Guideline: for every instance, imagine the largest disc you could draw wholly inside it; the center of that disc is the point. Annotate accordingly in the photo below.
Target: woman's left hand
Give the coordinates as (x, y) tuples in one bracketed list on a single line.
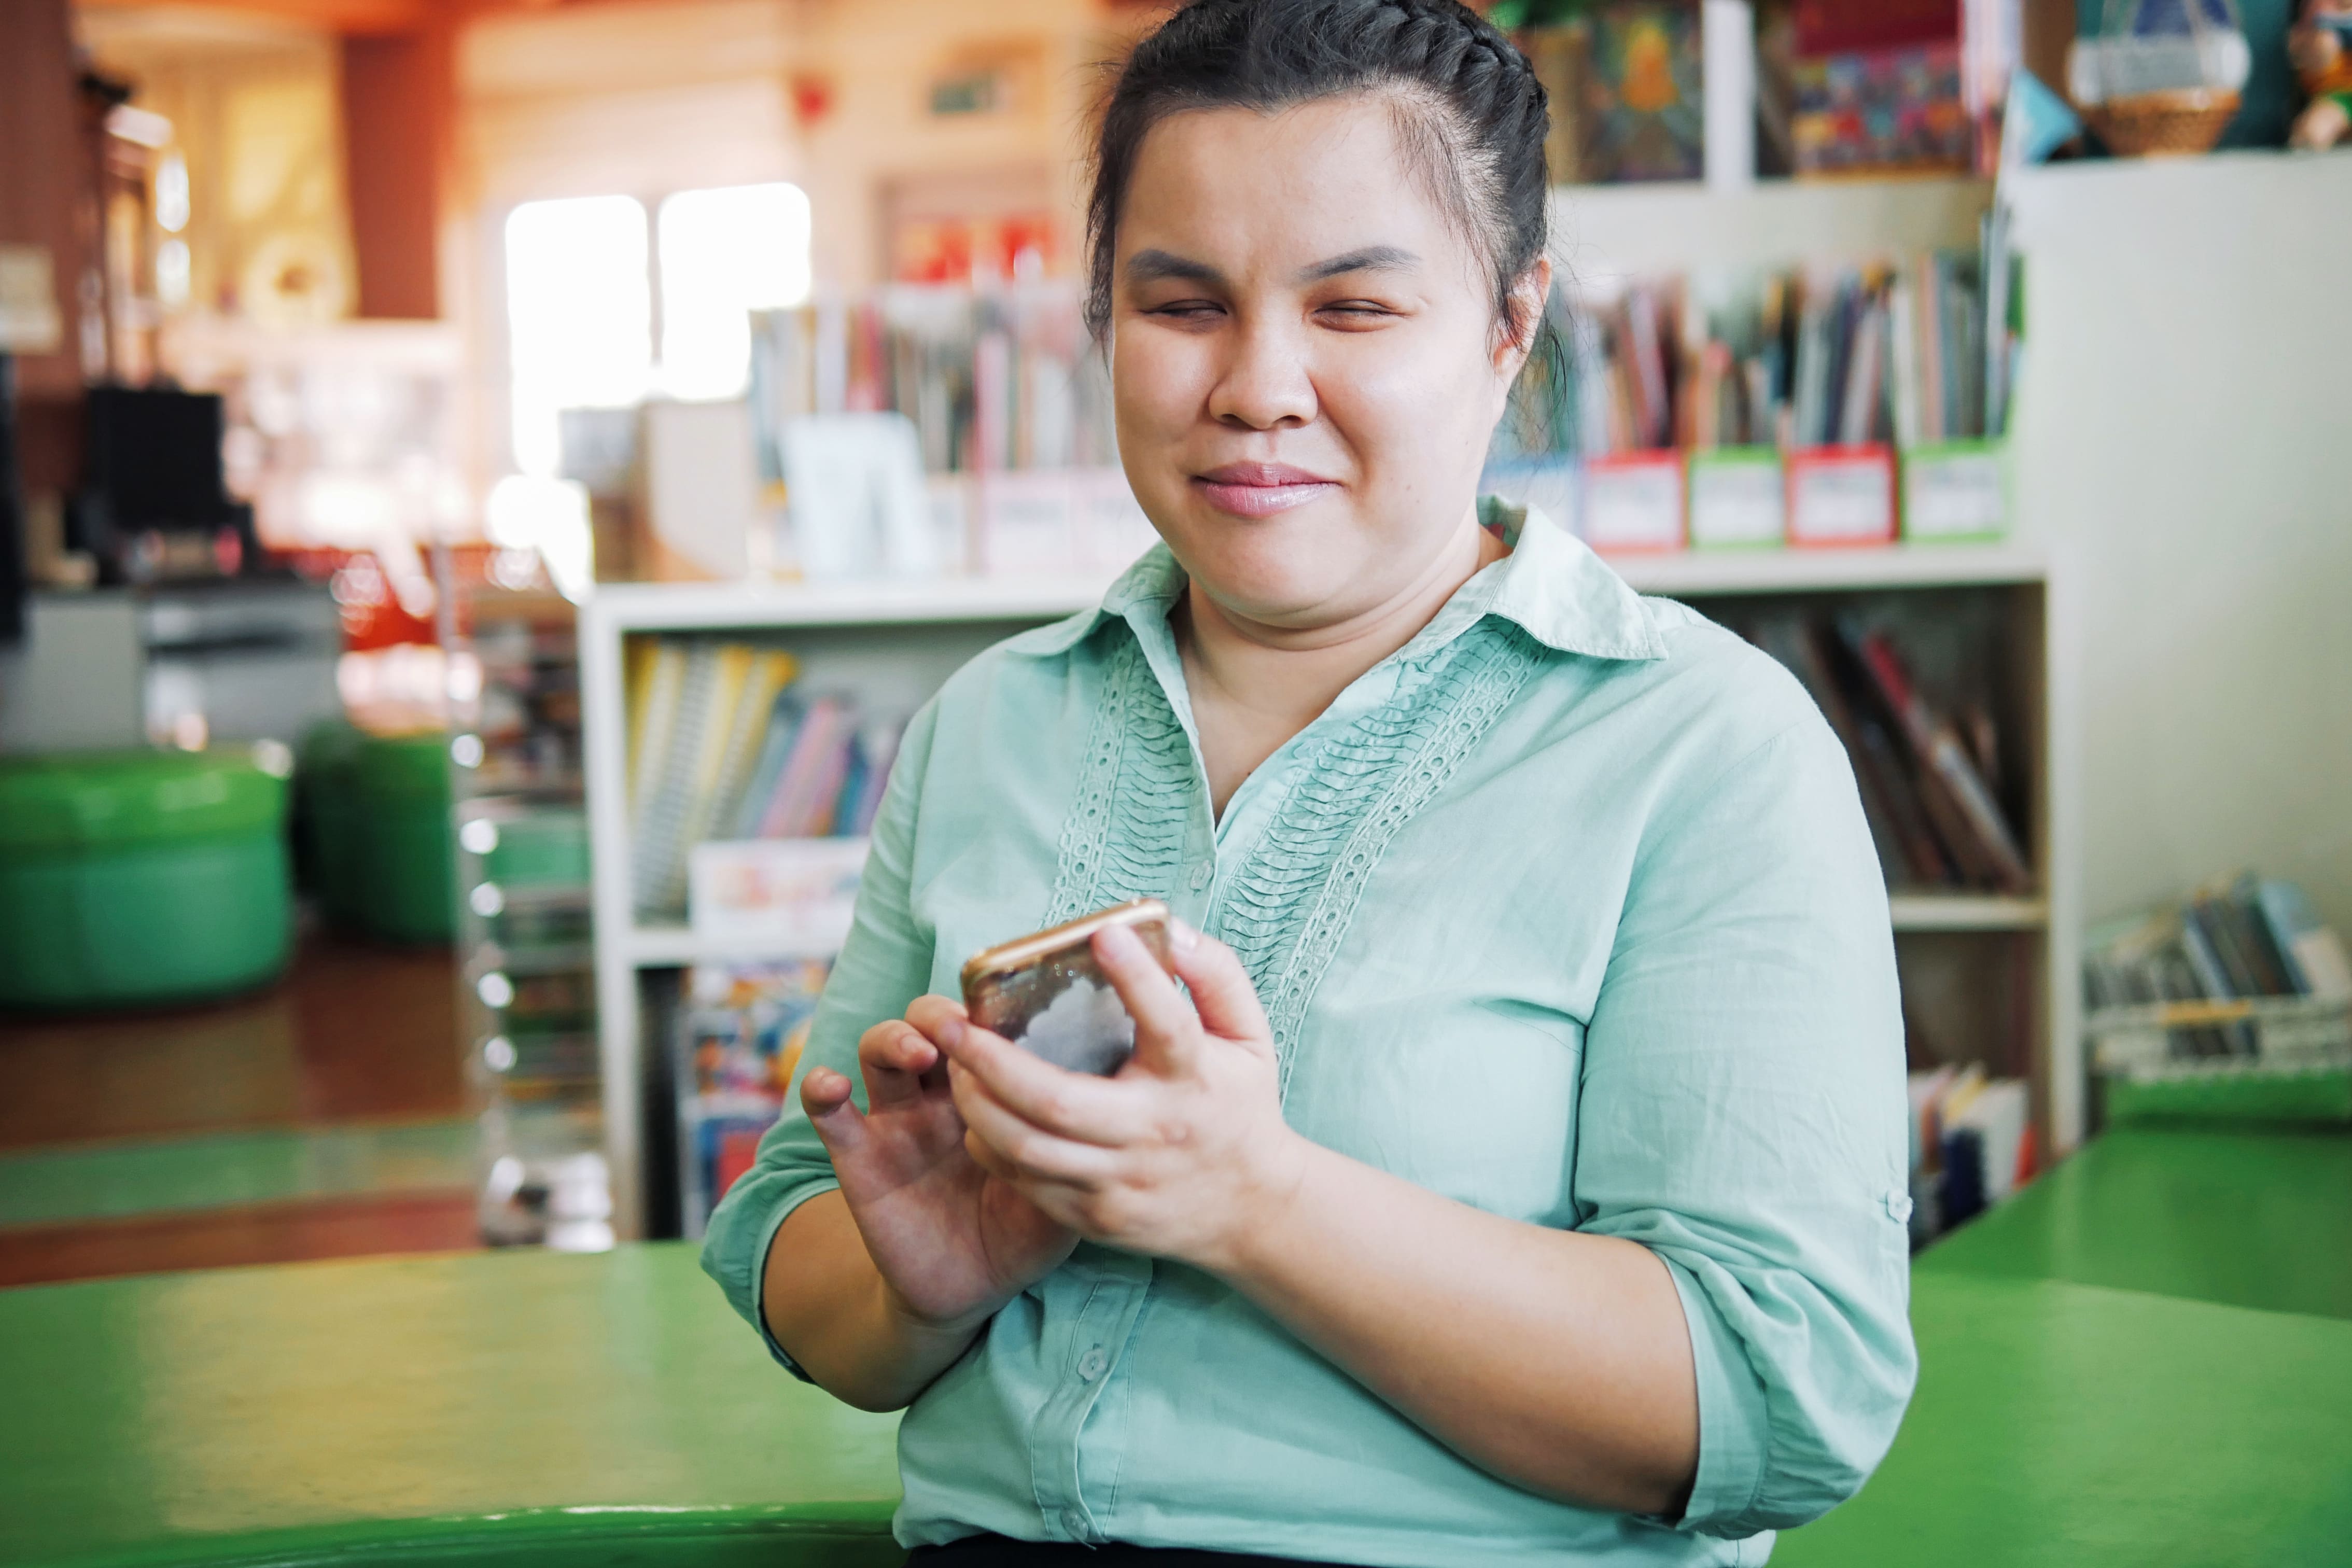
[(1178, 1153)]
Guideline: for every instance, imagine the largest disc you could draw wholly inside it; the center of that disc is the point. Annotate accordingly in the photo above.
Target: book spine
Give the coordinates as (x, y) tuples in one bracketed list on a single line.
[(1954, 794)]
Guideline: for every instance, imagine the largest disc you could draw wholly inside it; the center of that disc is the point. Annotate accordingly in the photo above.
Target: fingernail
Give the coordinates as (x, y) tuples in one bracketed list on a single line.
[(1182, 937)]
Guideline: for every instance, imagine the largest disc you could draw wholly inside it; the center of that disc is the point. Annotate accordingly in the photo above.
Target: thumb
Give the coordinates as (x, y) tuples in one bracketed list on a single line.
[(1221, 988), (826, 1096)]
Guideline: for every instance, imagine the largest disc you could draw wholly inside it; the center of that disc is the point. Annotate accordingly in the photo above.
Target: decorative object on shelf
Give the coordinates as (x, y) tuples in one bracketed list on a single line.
[(775, 895), (2161, 77), (2320, 48), (1883, 86), (1624, 78)]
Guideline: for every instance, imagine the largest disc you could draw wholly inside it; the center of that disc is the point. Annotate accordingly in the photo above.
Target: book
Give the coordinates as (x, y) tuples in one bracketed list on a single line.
[(657, 847), (1955, 795), (2278, 970), (1972, 1144), (748, 681), (740, 1040), (880, 745), (657, 676), (811, 778), (2314, 955), (2246, 939), (775, 745)]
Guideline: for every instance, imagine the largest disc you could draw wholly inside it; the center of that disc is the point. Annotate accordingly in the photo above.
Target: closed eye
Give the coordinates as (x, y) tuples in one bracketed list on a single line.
[(1356, 314), (1186, 310)]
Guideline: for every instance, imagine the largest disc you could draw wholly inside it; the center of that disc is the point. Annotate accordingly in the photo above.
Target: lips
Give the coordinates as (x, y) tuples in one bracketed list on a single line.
[(1260, 489)]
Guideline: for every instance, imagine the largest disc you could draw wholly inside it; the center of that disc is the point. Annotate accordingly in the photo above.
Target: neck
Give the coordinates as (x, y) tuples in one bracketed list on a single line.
[(1283, 676)]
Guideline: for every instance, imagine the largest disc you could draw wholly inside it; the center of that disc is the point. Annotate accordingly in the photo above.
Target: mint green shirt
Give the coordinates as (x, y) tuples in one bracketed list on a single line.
[(1566, 910)]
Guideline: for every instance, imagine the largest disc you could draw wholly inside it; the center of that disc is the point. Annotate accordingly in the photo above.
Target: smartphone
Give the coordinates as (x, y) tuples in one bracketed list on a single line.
[(1045, 993)]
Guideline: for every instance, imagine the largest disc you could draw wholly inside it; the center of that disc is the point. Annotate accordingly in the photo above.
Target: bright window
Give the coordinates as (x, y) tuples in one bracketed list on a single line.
[(580, 305), (725, 253), (580, 300)]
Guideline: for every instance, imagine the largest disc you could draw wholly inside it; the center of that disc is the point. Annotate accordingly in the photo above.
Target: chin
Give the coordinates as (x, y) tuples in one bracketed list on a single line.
[(1274, 569)]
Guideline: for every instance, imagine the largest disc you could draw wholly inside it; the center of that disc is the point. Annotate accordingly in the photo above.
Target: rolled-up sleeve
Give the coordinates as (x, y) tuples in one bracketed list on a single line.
[(885, 964), (1743, 1116)]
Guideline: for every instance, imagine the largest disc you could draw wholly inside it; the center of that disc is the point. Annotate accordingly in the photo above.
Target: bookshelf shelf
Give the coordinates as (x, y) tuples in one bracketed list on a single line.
[(705, 607), (1810, 570), (675, 946), (893, 642), (1967, 911)]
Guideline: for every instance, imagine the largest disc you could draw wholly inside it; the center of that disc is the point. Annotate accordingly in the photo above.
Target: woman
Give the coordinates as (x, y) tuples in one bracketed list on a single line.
[(1518, 1176)]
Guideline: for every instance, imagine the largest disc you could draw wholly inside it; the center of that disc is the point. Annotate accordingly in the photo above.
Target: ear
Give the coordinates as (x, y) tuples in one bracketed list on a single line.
[(1527, 298)]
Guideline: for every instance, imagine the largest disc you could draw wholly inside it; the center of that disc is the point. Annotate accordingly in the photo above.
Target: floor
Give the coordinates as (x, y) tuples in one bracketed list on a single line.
[(322, 1118)]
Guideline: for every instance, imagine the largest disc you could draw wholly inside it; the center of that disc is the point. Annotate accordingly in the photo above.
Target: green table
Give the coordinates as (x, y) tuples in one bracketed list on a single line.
[(525, 1408), (2140, 1358), (2248, 1219), (2074, 1426), (490, 1408)]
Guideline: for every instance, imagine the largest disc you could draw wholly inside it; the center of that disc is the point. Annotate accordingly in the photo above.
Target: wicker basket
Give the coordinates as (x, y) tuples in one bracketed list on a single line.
[(2164, 125), (2281, 1059)]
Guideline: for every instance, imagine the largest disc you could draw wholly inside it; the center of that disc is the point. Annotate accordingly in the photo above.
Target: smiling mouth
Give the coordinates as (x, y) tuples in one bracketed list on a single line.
[(1260, 489)]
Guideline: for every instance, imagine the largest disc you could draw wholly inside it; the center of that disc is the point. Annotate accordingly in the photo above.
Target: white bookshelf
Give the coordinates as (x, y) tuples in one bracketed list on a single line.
[(893, 643)]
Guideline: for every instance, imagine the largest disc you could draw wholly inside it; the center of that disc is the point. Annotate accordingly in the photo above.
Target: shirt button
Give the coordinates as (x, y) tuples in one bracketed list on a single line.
[(1074, 1523), (1092, 1364), (1201, 873)]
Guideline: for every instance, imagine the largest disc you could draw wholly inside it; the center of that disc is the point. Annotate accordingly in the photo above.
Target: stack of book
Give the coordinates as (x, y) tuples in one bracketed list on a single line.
[(721, 747), (1972, 1144), (995, 380), (1832, 404), (739, 1038), (1931, 780), (1834, 354), (2241, 940)]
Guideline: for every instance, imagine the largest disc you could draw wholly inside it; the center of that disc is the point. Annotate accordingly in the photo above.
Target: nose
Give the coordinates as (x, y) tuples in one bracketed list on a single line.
[(1265, 383)]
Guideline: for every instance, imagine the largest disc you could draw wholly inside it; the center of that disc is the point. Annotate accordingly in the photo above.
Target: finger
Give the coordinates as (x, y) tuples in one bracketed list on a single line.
[(1222, 995), (1067, 1104), (1166, 1028), (826, 1096), (940, 1019), (893, 1059), (1028, 1150)]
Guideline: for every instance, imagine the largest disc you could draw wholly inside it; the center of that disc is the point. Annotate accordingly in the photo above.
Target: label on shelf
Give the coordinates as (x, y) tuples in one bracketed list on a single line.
[(1112, 527), (1029, 522), (1841, 495), (1634, 500), (1956, 491), (1738, 497), (780, 895)]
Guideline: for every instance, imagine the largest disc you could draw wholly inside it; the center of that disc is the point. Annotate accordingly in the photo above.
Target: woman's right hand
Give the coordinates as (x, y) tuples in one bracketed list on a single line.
[(951, 1242)]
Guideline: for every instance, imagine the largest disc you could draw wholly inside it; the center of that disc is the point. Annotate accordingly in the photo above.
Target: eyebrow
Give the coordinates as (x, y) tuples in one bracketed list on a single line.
[(1149, 266), (1370, 258)]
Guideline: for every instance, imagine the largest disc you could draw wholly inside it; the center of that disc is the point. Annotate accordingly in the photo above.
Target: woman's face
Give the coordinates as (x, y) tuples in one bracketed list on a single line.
[(1305, 358)]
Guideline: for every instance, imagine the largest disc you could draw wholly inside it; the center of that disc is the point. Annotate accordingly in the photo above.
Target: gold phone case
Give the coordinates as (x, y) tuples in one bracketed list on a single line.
[(1045, 993)]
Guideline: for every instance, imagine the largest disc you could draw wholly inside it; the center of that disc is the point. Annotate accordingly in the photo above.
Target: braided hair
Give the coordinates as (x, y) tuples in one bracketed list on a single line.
[(1468, 106)]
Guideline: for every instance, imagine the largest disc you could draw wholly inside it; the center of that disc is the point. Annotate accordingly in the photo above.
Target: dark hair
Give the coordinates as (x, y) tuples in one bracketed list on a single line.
[(1467, 102)]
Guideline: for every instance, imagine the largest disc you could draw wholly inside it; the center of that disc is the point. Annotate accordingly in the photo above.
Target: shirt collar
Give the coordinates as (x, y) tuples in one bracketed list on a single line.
[(1552, 586)]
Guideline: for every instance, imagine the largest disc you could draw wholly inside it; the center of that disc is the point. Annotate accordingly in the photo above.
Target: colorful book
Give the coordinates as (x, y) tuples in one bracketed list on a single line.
[(1955, 793), (2314, 956), (658, 849), (744, 713), (775, 746), (809, 780)]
